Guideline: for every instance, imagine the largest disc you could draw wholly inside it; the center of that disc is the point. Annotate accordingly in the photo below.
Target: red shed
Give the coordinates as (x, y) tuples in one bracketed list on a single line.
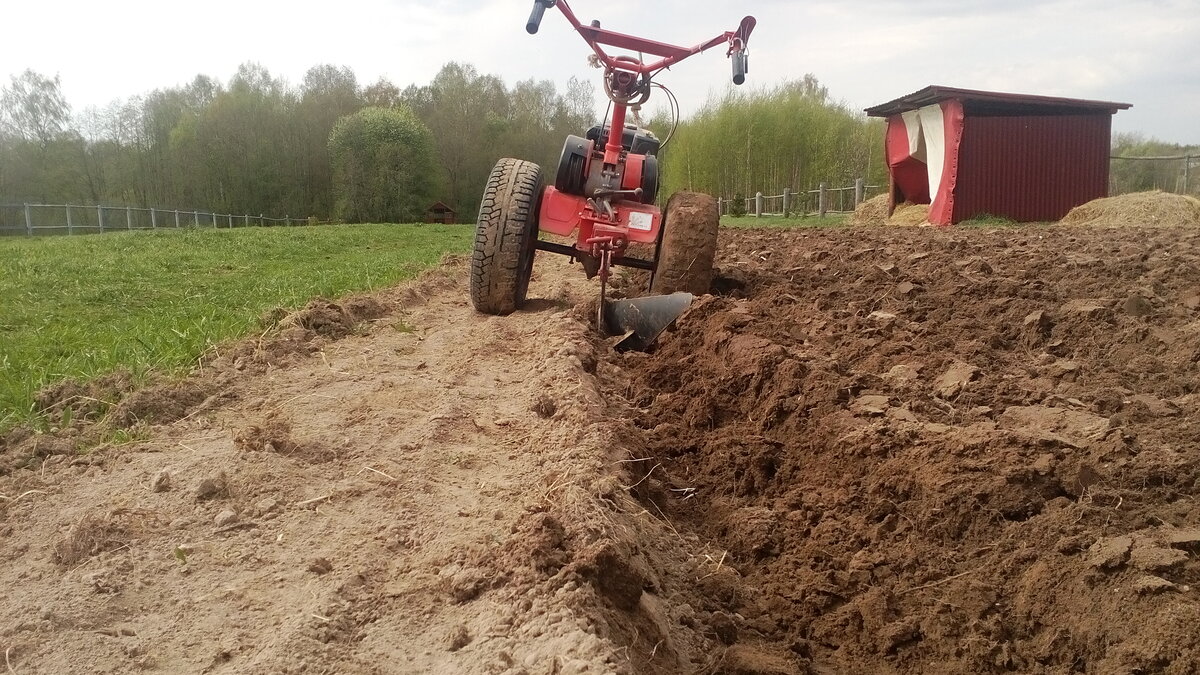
[(967, 153)]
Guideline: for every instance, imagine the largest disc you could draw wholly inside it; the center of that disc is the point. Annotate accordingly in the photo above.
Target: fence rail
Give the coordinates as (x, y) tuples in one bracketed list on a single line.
[(820, 201), (52, 219)]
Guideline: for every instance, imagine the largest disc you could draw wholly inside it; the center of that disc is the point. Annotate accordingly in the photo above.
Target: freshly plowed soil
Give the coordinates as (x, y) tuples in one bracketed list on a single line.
[(943, 451), (888, 450)]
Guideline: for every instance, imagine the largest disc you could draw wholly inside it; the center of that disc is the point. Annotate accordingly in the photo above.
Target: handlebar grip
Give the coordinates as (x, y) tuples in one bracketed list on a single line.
[(535, 17), (740, 66)]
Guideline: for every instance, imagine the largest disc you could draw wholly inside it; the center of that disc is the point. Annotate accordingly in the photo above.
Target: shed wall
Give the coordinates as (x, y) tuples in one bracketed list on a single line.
[(1031, 168)]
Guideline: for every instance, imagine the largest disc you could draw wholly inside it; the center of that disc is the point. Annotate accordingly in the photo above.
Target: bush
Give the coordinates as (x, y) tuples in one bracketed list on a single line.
[(383, 166), (737, 208)]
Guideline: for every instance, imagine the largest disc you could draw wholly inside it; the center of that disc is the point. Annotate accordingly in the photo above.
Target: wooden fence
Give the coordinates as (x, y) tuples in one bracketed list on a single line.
[(54, 219), (820, 201)]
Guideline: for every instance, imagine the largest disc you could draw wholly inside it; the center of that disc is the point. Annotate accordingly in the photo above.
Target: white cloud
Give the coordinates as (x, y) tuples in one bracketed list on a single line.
[(867, 52)]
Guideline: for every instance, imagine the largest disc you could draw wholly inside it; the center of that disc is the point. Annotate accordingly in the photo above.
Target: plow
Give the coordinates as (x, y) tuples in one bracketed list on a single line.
[(604, 195)]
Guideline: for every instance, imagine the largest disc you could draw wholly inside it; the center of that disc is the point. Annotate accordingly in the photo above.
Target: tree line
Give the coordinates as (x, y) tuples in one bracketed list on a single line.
[(331, 147), (792, 135), (259, 145)]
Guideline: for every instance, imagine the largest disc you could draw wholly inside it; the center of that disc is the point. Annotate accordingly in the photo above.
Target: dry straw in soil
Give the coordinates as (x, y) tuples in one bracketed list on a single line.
[(94, 534), (1138, 209), (873, 213)]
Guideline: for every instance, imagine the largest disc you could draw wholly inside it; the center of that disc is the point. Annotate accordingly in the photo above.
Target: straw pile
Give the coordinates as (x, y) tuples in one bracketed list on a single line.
[(908, 215), (1139, 209), (873, 213)]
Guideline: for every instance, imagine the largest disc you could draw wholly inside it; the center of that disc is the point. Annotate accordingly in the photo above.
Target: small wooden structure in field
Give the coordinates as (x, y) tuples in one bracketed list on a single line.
[(440, 213)]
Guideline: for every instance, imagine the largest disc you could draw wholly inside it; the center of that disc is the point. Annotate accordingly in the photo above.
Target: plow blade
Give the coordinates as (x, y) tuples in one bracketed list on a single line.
[(641, 320)]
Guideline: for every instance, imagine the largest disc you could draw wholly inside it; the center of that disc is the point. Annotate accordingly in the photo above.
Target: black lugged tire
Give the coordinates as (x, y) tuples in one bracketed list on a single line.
[(687, 246), (505, 234)]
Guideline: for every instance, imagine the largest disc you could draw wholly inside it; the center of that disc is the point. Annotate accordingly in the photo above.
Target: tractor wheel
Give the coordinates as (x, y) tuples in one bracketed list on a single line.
[(502, 261), (687, 245)]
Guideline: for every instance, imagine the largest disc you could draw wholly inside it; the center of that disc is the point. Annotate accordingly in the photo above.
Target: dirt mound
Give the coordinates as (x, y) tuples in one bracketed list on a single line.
[(937, 451), (334, 320), (72, 399), (166, 402), (1139, 209), (871, 213)]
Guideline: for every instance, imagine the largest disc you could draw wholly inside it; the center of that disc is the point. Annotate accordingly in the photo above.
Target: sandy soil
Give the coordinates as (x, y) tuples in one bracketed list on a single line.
[(876, 450)]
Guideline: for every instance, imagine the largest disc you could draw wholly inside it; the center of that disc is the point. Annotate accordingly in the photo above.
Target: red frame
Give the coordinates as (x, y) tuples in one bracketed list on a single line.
[(670, 53), (561, 214)]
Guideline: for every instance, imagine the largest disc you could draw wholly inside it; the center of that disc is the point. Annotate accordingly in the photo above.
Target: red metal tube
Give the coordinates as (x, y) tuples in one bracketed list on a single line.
[(616, 131)]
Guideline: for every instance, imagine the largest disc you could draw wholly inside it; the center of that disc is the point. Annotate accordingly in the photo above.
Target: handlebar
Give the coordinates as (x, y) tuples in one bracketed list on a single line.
[(741, 65), (535, 17), (737, 49), (668, 54)]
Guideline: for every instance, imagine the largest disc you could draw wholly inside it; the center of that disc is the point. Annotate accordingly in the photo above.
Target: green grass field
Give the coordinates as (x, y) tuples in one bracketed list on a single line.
[(155, 301)]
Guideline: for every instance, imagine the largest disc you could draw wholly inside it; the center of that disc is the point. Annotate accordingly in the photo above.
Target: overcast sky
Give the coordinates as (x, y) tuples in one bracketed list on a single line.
[(1143, 52)]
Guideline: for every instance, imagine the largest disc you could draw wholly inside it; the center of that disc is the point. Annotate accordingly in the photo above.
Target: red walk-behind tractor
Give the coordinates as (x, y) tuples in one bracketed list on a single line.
[(603, 195)]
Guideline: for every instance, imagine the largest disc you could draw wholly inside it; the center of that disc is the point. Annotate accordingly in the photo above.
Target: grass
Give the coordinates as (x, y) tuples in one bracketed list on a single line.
[(79, 307), (834, 220), (989, 220)]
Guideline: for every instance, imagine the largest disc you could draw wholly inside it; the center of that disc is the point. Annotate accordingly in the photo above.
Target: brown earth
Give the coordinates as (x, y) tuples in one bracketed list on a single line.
[(942, 451), (874, 450)]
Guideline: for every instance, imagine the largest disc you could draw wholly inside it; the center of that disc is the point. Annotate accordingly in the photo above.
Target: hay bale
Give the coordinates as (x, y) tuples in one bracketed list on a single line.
[(1138, 209), (871, 213)]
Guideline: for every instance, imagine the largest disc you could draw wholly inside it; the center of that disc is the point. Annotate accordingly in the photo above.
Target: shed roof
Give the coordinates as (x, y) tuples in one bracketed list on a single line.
[(995, 103), (439, 207)]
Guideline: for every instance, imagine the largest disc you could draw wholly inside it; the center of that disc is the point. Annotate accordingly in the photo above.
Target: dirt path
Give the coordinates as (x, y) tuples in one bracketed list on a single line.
[(375, 503)]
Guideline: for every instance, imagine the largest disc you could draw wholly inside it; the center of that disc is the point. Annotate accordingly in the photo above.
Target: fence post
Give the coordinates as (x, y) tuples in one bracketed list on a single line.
[(860, 186), (153, 220), (128, 218), (246, 219), (28, 221), (720, 212), (1187, 165), (70, 225), (176, 218), (196, 218), (261, 222), (758, 205), (823, 200), (787, 202), (230, 216), (214, 221), (100, 217)]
